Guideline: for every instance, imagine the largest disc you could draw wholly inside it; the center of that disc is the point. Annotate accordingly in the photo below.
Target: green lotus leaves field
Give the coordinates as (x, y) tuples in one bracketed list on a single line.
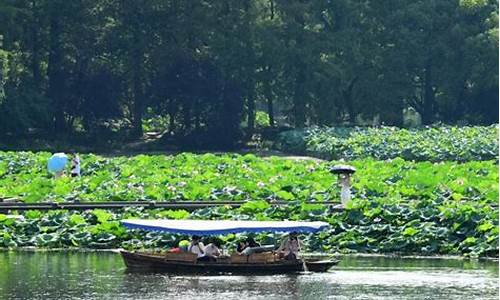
[(365, 226), (398, 207), (236, 177), (441, 143)]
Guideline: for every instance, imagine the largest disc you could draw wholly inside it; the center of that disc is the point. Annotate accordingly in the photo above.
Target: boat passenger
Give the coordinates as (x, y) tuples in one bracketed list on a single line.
[(184, 245), (197, 246), (290, 247), (175, 250), (242, 245), (252, 243), (251, 247), (212, 250)]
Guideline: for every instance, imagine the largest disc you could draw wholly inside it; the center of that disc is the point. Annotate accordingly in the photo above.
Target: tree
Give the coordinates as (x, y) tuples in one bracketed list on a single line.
[(207, 66)]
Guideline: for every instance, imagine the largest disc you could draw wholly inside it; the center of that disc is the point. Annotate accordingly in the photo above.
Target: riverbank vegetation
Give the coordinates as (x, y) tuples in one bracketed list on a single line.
[(435, 143), (378, 226), (126, 78), (398, 206)]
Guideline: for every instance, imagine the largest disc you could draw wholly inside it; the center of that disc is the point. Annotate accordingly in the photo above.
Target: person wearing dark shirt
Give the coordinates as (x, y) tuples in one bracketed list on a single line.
[(252, 243), (242, 245)]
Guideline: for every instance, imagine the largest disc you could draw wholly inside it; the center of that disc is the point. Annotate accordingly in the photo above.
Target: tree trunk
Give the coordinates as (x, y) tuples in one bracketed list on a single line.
[(137, 93), (137, 113), (187, 124), (35, 59), (460, 108), (251, 109), (54, 72), (299, 108), (269, 96), (137, 73), (299, 98), (250, 67), (271, 9), (171, 122), (267, 84), (429, 97), (349, 101)]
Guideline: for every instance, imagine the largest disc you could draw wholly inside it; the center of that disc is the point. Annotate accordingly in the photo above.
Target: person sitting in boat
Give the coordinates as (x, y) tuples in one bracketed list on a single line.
[(251, 246), (252, 243), (242, 245), (212, 250), (197, 246), (184, 245), (290, 247)]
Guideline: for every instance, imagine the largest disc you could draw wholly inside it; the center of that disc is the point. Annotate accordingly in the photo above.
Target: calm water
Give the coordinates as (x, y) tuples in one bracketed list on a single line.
[(103, 276)]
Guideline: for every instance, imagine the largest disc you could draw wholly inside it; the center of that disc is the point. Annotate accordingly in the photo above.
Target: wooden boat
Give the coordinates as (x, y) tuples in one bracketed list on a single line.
[(142, 261), (255, 263)]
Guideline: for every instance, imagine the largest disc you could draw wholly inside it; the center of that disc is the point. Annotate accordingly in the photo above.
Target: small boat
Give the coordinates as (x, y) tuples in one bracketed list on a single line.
[(256, 263)]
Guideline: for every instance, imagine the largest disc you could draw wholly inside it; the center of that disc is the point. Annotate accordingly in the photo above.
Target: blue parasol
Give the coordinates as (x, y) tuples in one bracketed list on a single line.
[(57, 162)]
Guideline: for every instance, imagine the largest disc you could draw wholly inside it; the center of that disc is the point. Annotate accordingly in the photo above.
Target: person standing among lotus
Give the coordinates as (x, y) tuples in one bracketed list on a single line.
[(75, 166)]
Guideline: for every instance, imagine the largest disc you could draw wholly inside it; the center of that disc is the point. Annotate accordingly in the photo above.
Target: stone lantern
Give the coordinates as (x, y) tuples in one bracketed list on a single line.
[(344, 173)]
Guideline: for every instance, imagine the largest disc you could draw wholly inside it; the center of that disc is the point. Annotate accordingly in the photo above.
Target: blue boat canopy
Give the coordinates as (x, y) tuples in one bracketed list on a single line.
[(212, 227)]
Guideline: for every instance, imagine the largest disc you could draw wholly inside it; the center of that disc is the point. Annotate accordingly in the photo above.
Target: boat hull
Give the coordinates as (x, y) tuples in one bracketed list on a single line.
[(157, 263)]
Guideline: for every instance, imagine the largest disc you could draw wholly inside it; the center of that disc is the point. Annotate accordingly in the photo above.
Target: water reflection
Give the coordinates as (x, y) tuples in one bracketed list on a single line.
[(103, 276)]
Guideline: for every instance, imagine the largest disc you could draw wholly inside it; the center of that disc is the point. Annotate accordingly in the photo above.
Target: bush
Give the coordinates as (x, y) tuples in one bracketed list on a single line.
[(293, 141)]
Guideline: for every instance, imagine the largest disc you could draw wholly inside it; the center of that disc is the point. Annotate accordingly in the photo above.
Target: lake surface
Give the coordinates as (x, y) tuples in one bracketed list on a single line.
[(57, 275)]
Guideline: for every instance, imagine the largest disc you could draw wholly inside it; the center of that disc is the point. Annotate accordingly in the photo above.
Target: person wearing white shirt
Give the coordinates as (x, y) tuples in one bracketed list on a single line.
[(197, 247), (212, 251), (75, 166)]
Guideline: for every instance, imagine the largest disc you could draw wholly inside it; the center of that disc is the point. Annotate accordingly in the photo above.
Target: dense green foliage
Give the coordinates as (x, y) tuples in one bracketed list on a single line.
[(205, 66), (236, 177), (442, 143), (380, 226), (398, 206), (199, 73)]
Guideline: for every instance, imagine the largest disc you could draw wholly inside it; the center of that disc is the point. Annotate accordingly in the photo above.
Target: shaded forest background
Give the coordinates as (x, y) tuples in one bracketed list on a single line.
[(107, 69)]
